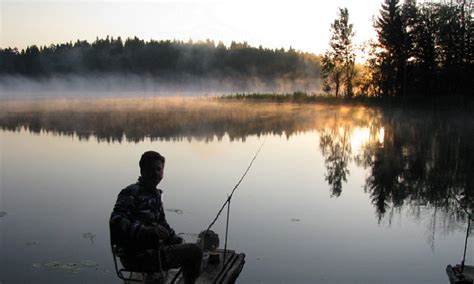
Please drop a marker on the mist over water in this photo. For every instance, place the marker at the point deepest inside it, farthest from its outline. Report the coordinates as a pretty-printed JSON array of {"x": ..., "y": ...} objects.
[{"x": 130, "y": 85}]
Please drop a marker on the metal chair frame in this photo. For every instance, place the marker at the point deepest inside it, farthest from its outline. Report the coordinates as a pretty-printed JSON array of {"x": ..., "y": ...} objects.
[{"x": 121, "y": 271}]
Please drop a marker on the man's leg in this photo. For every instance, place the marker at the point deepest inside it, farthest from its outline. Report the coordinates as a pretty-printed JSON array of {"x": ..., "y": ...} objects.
[{"x": 186, "y": 256}]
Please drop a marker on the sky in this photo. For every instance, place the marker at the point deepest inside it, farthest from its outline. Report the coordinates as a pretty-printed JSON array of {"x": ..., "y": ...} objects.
[{"x": 301, "y": 24}]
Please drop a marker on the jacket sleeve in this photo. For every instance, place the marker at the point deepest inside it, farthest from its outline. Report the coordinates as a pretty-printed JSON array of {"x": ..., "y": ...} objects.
[{"x": 124, "y": 227}]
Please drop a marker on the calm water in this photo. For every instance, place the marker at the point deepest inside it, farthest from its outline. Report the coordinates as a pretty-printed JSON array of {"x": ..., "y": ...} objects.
[{"x": 337, "y": 194}]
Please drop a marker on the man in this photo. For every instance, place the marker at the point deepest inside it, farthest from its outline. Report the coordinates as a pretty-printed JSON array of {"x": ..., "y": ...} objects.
[{"x": 140, "y": 230}]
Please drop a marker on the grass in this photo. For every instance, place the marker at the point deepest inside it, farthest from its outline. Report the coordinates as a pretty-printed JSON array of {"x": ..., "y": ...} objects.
[{"x": 443, "y": 102}]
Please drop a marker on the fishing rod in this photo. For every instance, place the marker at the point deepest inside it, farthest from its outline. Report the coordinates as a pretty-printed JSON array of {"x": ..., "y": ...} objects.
[
  {"x": 469, "y": 218},
  {"x": 229, "y": 197},
  {"x": 227, "y": 203}
]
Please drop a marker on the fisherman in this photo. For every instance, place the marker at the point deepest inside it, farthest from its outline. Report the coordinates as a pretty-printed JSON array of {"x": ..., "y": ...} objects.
[{"x": 140, "y": 231}]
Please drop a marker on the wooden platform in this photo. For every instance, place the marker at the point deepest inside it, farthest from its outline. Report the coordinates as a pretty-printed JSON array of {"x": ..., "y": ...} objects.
[
  {"x": 455, "y": 276},
  {"x": 217, "y": 273}
]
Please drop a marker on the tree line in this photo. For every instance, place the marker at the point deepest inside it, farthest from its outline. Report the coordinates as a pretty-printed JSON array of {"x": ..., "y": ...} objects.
[
  {"x": 421, "y": 50},
  {"x": 159, "y": 58}
]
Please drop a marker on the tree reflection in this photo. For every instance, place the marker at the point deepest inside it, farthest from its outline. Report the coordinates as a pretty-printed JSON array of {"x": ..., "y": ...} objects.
[
  {"x": 424, "y": 161},
  {"x": 418, "y": 160},
  {"x": 385, "y": 182},
  {"x": 337, "y": 137},
  {"x": 336, "y": 149},
  {"x": 157, "y": 119}
]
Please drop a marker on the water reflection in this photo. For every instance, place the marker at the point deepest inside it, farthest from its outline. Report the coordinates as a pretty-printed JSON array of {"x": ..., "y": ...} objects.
[
  {"x": 157, "y": 119},
  {"x": 336, "y": 148},
  {"x": 420, "y": 159}
]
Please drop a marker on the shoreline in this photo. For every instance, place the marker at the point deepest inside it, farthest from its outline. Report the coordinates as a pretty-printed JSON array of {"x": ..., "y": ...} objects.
[{"x": 464, "y": 103}]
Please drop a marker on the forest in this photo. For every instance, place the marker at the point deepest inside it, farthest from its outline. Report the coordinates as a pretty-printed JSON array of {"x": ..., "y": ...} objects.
[
  {"x": 164, "y": 58},
  {"x": 422, "y": 51}
]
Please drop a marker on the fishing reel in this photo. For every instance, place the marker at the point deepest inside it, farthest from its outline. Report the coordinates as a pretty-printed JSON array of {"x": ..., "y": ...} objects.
[{"x": 208, "y": 240}]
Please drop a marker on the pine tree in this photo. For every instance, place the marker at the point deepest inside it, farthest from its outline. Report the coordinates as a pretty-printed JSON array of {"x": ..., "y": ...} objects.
[{"x": 392, "y": 38}]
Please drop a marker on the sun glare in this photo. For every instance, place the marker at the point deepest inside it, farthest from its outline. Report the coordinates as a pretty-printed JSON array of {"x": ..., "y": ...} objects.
[
  {"x": 381, "y": 135},
  {"x": 360, "y": 137}
]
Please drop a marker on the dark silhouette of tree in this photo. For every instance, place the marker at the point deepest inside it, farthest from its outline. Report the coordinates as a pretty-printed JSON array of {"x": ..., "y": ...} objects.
[
  {"x": 391, "y": 37},
  {"x": 338, "y": 62},
  {"x": 423, "y": 50}
]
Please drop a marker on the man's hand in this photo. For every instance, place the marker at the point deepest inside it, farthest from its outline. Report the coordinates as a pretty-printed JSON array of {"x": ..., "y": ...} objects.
[
  {"x": 174, "y": 240},
  {"x": 161, "y": 232}
]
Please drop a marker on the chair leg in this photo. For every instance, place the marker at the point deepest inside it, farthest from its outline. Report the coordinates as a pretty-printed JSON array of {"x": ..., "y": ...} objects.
[{"x": 129, "y": 277}]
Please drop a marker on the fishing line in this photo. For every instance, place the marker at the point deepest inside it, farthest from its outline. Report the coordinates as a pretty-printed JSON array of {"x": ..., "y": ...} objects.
[{"x": 235, "y": 187}]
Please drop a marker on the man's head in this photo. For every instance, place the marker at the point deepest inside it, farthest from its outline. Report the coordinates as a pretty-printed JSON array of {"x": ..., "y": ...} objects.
[{"x": 151, "y": 167}]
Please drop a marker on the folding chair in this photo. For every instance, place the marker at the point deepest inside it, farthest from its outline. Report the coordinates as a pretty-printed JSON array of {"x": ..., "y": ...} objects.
[{"x": 146, "y": 276}]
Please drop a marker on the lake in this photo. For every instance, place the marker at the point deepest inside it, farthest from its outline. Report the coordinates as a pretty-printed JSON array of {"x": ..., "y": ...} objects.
[{"x": 338, "y": 194}]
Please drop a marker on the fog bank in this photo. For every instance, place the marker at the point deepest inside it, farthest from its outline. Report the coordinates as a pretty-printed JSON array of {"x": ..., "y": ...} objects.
[{"x": 130, "y": 85}]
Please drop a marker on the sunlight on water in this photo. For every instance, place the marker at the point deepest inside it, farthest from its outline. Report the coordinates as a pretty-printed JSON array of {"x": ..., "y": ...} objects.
[
  {"x": 381, "y": 135},
  {"x": 359, "y": 138}
]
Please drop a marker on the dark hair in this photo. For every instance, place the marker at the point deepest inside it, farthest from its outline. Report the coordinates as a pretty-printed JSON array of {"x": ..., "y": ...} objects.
[{"x": 148, "y": 158}]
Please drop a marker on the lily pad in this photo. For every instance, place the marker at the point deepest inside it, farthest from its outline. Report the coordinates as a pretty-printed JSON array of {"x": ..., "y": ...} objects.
[
  {"x": 75, "y": 270},
  {"x": 177, "y": 211},
  {"x": 3, "y": 214},
  {"x": 52, "y": 265},
  {"x": 69, "y": 265},
  {"x": 89, "y": 263}
]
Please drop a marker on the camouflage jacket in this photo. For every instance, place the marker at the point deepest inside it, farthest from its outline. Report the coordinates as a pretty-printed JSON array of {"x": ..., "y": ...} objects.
[{"x": 135, "y": 213}]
